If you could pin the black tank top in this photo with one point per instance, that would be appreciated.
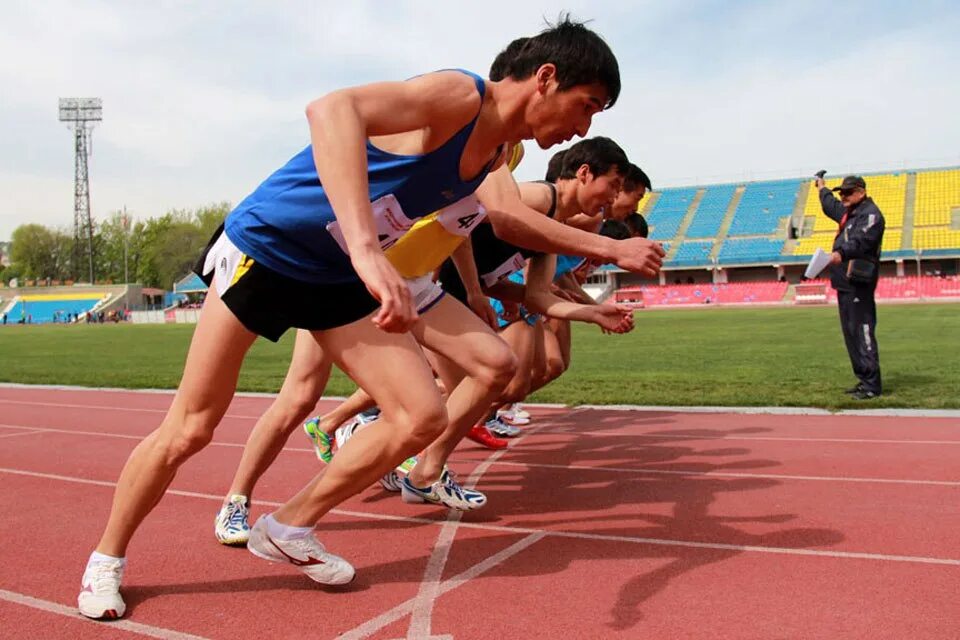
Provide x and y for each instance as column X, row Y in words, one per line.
column 495, row 258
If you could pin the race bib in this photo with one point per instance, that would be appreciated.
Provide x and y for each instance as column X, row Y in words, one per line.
column 390, row 221
column 462, row 217
column 511, row 264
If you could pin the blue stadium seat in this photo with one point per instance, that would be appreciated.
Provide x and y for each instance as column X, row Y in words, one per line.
column 750, row 250
column 692, row 254
column 706, row 221
column 41, row 311
column 668, row 212
column 763, row 206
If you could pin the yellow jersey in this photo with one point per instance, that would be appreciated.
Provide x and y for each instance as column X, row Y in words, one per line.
column 435, row 237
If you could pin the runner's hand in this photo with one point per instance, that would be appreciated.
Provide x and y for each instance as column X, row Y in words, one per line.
column 511, row 311
column 613, row 318
column 639, row 255
column 480, row 305
column 396, row 313
column 563, row 294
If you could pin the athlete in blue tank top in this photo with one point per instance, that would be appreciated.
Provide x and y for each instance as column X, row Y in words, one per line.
column 281, row 264
column 288, row 225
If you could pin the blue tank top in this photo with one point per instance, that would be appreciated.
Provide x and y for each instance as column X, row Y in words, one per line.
column 288, row 225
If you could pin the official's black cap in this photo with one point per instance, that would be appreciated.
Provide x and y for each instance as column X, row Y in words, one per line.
column 850, row 183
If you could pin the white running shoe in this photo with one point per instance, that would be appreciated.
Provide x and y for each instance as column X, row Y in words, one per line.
column 100, row 590
column 231, row 526
column 306, row 554
column 347, row 431
column 391, row 481
column 517, row 409
column 501, row 429
column 512, row 418
column 446, row 491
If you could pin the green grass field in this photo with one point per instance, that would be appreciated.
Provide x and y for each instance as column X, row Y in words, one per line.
column 718, row 356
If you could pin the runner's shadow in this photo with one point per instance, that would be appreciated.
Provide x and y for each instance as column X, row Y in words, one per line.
column 137, row 594
column 693, row 530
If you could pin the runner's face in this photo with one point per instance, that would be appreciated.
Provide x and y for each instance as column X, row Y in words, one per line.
column 626, row 203
column 558, row 116
column 599, row 192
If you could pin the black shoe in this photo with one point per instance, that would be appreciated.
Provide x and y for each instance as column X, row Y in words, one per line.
column 863, row 394
column 855, row 389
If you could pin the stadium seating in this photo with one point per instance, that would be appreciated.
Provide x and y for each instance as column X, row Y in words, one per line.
column 41, row 308
column 936, row 238
column 668, row 212
column 757, row 233
column 692, row 253
column 937, row 194
column 889, row 192
column 750, row 250
column 763, row 206
column 888, row 289
column 693, row 294
column 710, row 212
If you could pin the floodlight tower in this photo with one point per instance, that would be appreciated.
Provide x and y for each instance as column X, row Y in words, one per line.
column 80, row 114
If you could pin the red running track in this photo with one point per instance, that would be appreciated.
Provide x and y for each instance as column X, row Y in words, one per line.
column 601, row 524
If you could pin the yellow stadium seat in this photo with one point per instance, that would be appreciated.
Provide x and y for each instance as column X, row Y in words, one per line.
column 937, row 194
column 942, row 237
column 892, row 239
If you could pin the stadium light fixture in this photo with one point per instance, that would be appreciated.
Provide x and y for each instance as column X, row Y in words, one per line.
column 81, row 109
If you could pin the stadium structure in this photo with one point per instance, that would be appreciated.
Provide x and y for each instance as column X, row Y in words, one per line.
column 750, row 242
column 744, row 243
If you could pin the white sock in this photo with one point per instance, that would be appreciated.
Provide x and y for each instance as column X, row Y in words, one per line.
column 282, row 531
column 97, row 557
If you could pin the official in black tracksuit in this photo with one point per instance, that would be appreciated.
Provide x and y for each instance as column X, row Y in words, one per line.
column 854, row 271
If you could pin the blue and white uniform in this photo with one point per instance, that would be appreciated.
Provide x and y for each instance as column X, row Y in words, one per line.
column 281, row 260
column 288, row 225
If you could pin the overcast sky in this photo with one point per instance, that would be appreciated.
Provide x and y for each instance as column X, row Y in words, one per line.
column 202, row 100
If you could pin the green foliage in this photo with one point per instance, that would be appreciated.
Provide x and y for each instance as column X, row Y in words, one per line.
column 108, row 243
column 39, row 252
column 159, row 250
column 721, row 357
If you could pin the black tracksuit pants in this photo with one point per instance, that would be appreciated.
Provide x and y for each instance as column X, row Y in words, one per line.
column 858, row 319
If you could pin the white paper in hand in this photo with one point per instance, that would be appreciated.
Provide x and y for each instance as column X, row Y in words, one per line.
column 818, row 263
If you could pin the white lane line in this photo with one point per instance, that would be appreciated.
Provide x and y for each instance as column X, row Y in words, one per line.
column 71, row 612
column 553, row 429
column 19, row 433
column 730, row 474
column 780, row 411
column 577, row 535
column 788, row 411
column 373, row 625
column 150, row 391
column 64, row 405
column 666, row 437
column 421, row 618
column 126, row 436
column 497, row 461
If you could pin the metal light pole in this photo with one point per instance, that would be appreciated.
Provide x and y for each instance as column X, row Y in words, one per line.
column 80, row 114
column 125, row 225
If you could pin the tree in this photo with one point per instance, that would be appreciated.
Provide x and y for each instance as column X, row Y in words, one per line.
column 40, row 253
column 159, row 250
column 211, row 216
column 166, row 248
column 109, row 243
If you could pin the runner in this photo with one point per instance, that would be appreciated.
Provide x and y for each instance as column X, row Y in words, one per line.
column 386, row 154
